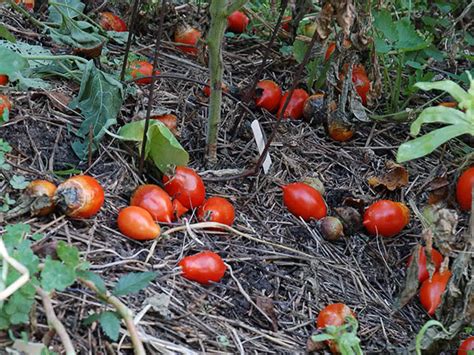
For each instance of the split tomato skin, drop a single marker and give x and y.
(466, 345)
(4, 104)
(110, 22)
(137, 223)
(155, 200)
(269, 95)
(436, 259)
(334, 314)
(432, 290)
(178, 209)
(237, 22)
(204, 267)
(386, 218)
(304, 201)
(294, 109)
(217, 209)
(40, 188)
(190, 36)
(3, 79)
(139, 68)
(464, 189)
(186, 186)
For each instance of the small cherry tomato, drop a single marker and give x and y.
(3, 79)
(110, 22)
(203, 267)
(332, 47)
(360, 79)
(217, 209)
(169, 120)
(137, 223)
(334, 314)
(436, 259)
(268, 95)
(432, 290)
(237, 22)
(40, 189)
(294, 109)
(4, 104)
(80, 196)
(466, 347)
(304, 201)
(178, 209)
(190, 36)
(464, 189)
(286, 23)
(186, 186)
(155, 200)
(141, 68)
(207, 89)
(386, 218)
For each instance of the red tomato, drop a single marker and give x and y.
(464, 189)
(203, 267)
(207, 89)
(386, 218)
(110, 22)
(169, 120)
(268, 95)
(29, 4)
(432, 290)
(141, 68)
(4, 104)
(340, 131)
(436, 259)
(178, 209)
(40, 188)
(334, 314)
(3, 79)
(466, 345)
(332, 47)
(185, 186)
(155, 200)
(217, 209)
(286, 23)
(189, 36)
(137, 223)
(360, 79)
(80, 196)
(294, 109)
(237, 22)
(304, 201)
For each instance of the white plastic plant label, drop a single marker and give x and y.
(260, 139)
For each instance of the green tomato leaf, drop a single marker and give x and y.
(94, 317)
(70, 8)
(448, 86)
(68, 254)
(56, 275)
(133, 283)
(4, 33)
(110, 324)
(438, 114)
(24, 255)
(18, 182)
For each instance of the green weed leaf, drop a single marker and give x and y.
(110, 324)
(68, 254)
(18, 182)
(438, 114)
(93, 277)
(133, 283)
(453, 89)
(56, 275)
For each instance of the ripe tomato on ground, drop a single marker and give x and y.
(360, 79)
(190, 36)
(334, 314)
(178, 209)
(155, 200)
(304, 201)
(110, 22)
(207, 89)
(237, 22)
(386, 218)
(137, 223)
(294, 109)
(4, 104)
(436, 259)
(466, 345)
(203, 267)
(141, 68)
(268, 95)
(3, 79)
(217, 209)
(464, 189)
(186, 186)
(432, 290)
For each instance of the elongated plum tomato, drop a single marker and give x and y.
(155, 200)
(466, 346)
(334, 314)
(4, 104)
(436, 259)
(80, 196)
(268, 95)
(294, 109)
(237, 22)
(432, 290)
(304, 201)
(137, 223)
(110, 22)
(360, 79)
(332, 47)
(189, 36)
(141, 68)
(186, 186)
(203, 267)
(464, 189)
(178, 209)
(45, 190)
(3, 79)
(217, 209)
(386, 218)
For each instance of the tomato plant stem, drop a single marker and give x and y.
(131, 21)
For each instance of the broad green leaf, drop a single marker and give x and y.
(4, 33)
(70, 8)
(14, 234)
(18, 182)
(448, 86)
(118, 37)
(56, 275)
(10, 62)
(94, 317)
(408, 38)
(24, 255)
(96, 279)
(438, 114)
(27, 50)
(110, 324)
(133, 282)
(68, 254)
(299, 50)
(383, 22)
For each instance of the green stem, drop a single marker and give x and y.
(55, 57)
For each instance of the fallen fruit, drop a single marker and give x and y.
(334, 314)
(386, 218)
(155, 200)
(187, 35)
(217, 209)
(464, 189)
(186, 186)
(142, 69)
(169, 120)
(40, 189)
(286, 23)
(340, 131)
(466, 347)
(304, 201)
(207, 89)
(314, 109)
(137, 223)
(4, 104)
(359, 79)
(3, 79)
(178, 209)
(294, 109)
(237, 22)
(28, 4)
(268, 95)
(331, 228)
(332, 47)
(436, 259)
(432, 290)
(110, 22)
(80, 196)
(203, 267)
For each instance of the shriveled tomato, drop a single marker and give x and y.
(304, 201)
(190, 36)
(436, 259)
(360, 79)
(334, 314)
(294, 109)
(141, 68)
(178, 209)
(110, 22)
(237, 22)
(137, 223)
(332, 47)
(466, 346)
(286, 23)
(207, 89)
(186, 186)
(40, 189)
(386, 218)
(155, 200)
(217, 209)
(3, 79)
(203, 267)
(432, 290)
(464, 189)
(268, 95)
(4, 104)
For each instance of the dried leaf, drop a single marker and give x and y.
(323, 22)
(59, 100)
(345, 14)
(411, 282)
(266, 305)
(438, 190)
(395, 177)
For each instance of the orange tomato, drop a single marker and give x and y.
(186, 186)
(237, 22)
(178, 209)
(304, 201)
(436, 259)
(294, 109)
(137, 223)
(334, 314)
(203, 267)
(386, 218)
(268, 95)
(142, 69)
(110, 22)
(3, 79)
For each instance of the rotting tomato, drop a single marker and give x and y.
(304, 201)
(4, 104)
(217, 209)
(432, 290)
(206, 90)
(334, 314)
(294, 109)
(237, 22)
(155, 200)
(110, 22)
(436, 259)
(80, 196)
(189, 36)
(359, 79)
(178, 209)
(332, 47)
(203, 267)
(137, 223)
(340, 131)
(186, 186)
(466, 346)
(464, 189)
(41, 189)
(314, 109)
(142, 69)
(386, 218)
(268, 95)
(3, 79)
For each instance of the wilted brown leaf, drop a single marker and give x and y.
(395, 177)
(345, 14)
(410, 287)
(438, 190)
(266, 305)
(59, 100)
(323, 22)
